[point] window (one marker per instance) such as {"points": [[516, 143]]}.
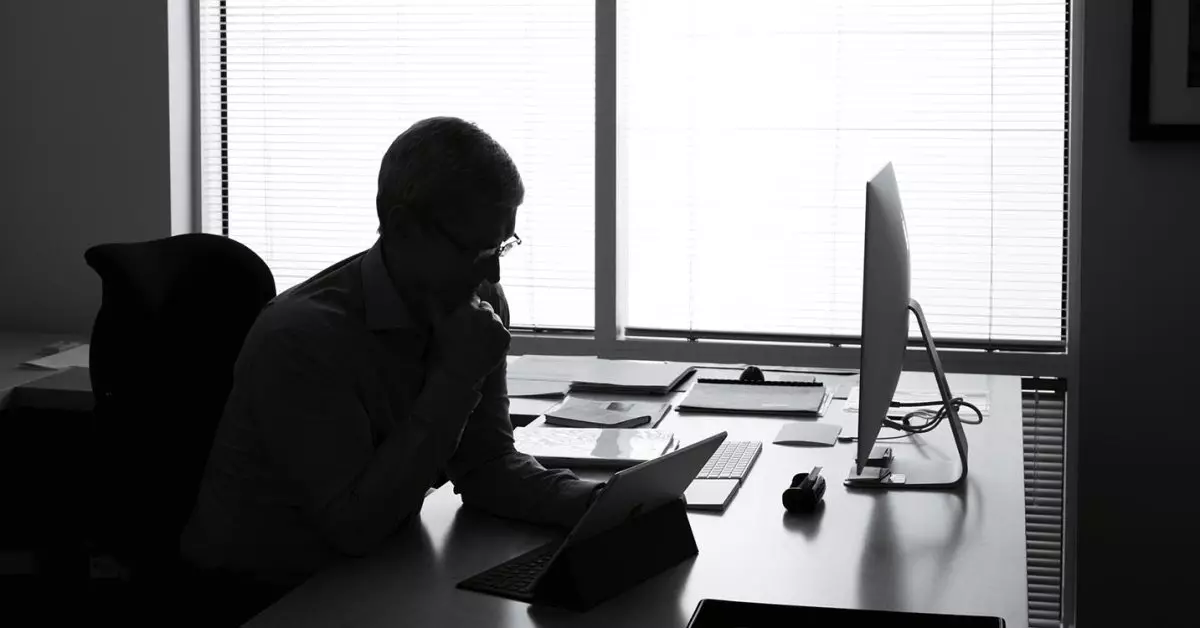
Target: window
{"points": [[744, 132], [747, 131], [300, 99]]}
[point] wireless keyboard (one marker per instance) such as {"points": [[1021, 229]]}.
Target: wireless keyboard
{"points": [[516, 578], [731, 461]]}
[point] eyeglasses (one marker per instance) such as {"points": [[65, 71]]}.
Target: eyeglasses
{"points": [[480, 255], [498, 251], [506, 246]]}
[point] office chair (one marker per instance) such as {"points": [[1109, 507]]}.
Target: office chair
{"points": [[173, 315]]}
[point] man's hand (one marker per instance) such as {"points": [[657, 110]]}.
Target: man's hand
{"points": [[470, 342]]}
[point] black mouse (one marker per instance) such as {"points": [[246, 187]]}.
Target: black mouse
{"points": [[752, 374]]}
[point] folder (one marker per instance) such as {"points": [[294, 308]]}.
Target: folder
{"points": [[774, 397], [588, 413], [598, 375]]}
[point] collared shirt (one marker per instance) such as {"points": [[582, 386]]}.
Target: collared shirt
{"points": [[336, 426]]}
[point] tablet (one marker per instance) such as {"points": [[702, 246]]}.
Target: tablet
{"points": [[729, 614]]}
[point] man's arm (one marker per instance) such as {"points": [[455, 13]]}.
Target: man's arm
{"points": [[489, 472], [317, 431]]}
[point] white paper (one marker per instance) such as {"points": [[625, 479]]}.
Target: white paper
{"points": [[71, 357], [583, 446]]}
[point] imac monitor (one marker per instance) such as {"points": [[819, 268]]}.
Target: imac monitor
{"points": [[885, 309]]}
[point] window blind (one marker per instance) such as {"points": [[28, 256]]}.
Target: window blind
{"points": [[300, 99], [746, 133], [1043, 418]]}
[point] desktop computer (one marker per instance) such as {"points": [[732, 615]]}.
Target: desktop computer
{"points": [[885, 311]]}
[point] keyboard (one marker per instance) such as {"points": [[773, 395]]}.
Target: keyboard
{"points": [[515, 578], [731, 461]]}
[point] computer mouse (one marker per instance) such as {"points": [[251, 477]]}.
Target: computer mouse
{"points": [[752, 374]]}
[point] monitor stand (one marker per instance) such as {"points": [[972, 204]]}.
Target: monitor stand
{"points": [[887, 471]]}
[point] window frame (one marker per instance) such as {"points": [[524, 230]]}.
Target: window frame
{"points": [[611, 338]]}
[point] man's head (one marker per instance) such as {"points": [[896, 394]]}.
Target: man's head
{"points": [[448, 196]]}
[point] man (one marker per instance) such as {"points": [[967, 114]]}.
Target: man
{"points": [[359, 389]]}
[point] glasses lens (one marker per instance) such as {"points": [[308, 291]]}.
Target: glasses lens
{"points": [[508, 245]]}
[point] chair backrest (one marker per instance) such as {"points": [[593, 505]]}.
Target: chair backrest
{"points": [[172, 319]]}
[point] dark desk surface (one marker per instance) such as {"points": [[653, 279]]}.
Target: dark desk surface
{"points": [[915, 551]]}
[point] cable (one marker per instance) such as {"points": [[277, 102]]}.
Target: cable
{"points": [[932, 419]]}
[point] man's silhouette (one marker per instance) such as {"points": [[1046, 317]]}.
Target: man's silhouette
{"points": [[359, 389]]}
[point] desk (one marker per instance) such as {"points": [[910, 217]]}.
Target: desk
{"points": [[45, 432], [928, 552], [15, 348], [68, 390]]}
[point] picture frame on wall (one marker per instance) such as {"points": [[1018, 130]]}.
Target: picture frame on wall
{"points": [[1166, 70]]}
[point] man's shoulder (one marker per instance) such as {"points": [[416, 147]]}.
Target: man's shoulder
{"points": [[327, 303], [299, 323], [288, 314]]}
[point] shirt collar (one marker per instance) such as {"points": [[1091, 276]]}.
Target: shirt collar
{"points": [[385, 309]]}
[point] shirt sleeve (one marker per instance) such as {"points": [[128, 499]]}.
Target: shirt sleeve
{"points": [[491, 474], [317, 432]]}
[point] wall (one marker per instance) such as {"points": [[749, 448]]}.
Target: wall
{"points": [[84, 149], [1137, 511]]}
